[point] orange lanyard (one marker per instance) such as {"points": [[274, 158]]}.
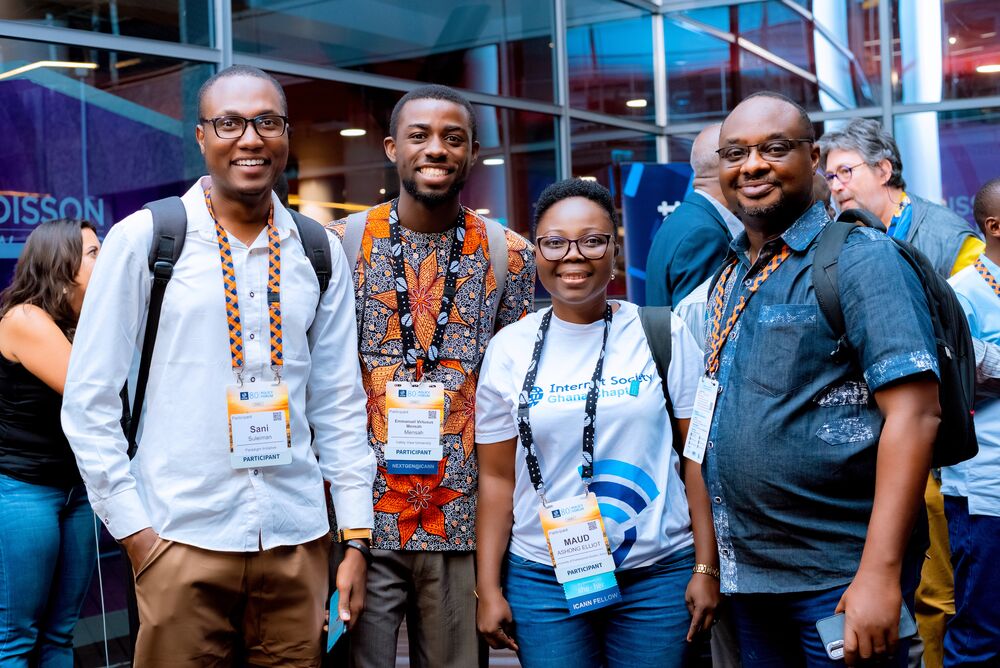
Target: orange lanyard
{"points": [[987, 276], [232, 299], [719, 335]]}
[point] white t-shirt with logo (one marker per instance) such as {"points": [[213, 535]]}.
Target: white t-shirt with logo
{"points": [[636, 470]]}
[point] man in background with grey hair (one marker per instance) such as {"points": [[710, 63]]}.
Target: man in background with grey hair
{"points": [[864, 171], [693, 240]]}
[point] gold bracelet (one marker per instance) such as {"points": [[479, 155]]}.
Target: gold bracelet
{"points": [[705, 569]]}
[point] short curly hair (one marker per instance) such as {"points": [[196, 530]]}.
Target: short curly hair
{"points": [[871, 141], [434, 92], [567, 188]]}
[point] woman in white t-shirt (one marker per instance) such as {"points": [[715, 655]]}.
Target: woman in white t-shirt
{"points": [[570, 402]]}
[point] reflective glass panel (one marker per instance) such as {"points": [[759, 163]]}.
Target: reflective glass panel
{"points": [[821, 53], [943, 156], [502, 47], [94, 137], [338, 165], [609, 48], [946, 50], [184, 21]]}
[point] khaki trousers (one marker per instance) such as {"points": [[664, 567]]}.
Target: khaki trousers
{"points": [[935, 603], [201, 608]]}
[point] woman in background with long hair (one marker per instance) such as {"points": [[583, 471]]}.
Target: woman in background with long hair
{"points": [[47, 544]]}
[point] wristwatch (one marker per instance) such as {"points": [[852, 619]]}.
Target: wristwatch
{"points": [[362, 548], [347, 534]]}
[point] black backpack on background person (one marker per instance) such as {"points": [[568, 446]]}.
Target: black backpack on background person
{"points": [[956, 438], [169, 230]]}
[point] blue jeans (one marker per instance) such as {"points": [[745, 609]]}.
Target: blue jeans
{"points": [[47, 556], [779, 630], [647, 628], [973, 634]]}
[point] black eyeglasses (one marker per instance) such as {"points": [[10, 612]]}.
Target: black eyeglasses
{"points": [[843, 173], [591, 246], [773, 150], [267, 126]]}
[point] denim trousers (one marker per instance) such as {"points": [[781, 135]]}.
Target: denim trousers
{"points": [[647, 628], [779, 630], [47, 556], [973, 634]]}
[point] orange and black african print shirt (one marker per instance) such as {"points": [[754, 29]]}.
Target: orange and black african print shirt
{"points": [[432, 512]]}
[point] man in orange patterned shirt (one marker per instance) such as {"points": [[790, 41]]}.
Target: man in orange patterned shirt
{"points": [[426, 308]]}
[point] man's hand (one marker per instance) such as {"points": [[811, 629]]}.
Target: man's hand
{"points": [[138, 546], [702, 598], [352, 579], [871, 625], [495, 621]]}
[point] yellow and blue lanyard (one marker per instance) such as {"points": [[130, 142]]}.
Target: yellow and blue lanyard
{"points": [[718, 335], [987, 276], [232, 298], [899, 226]]}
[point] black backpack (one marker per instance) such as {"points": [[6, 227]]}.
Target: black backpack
{"points": [[956, 438], [169, 229], [655, 322]]}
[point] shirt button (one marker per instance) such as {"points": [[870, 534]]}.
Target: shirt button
{"points": [[253, 379], [251, 336], [256, 472], [251, 293], [718, 499], [724, 552], [711, 445], [748, 282]]}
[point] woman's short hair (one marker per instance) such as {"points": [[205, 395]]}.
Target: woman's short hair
{"points": [[46, 271], [872, 143], [567, 188]]}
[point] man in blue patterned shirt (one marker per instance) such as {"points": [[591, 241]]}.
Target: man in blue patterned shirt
{"points": [[815, 464]]}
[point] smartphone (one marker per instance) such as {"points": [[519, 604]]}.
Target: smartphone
{"points": [[336, 624], [831, 631]]}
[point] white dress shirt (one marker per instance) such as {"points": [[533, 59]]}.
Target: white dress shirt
{"points": [[734, 224], [181, 483]]}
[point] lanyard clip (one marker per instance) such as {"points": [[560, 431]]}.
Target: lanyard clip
{"points": [[276, 369], [238, 372]]}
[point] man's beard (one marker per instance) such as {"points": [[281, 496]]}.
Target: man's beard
{"points": [[434, 199], [786, 206]]}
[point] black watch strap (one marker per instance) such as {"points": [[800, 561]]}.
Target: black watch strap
{"points": [[362, 548]]}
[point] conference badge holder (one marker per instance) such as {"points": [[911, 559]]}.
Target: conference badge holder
{"points": [[414, 412], [259, 426], [581, 555]]}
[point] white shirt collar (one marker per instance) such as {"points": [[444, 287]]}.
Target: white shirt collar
{"points": [[732, 222]]}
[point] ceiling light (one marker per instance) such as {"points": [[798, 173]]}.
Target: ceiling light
{"points": [[353, 132], [588, 178], [952, 40], [636, 104], [989, 69], [492, 162], [122, 64], [381, 191], [48, 63], [483, 212]]}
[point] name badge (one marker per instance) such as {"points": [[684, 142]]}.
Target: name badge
{"points": [[259, 426], [701, 419], [415, 412], [580, 553]]}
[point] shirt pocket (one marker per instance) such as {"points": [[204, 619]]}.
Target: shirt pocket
{"points": [[781, 353]]}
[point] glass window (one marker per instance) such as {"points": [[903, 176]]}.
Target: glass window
{"points": [[609, 47], [184, 21], [338, 165], [821, 53], [92, 141], [947, 50], [502, 47], [943, 156]]}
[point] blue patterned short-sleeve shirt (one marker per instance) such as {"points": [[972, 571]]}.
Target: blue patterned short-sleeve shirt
{"points": [[790, 465]]}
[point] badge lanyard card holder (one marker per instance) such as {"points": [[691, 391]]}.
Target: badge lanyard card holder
{"points": [[574, 529], [415, 410], [708, 385], [257, 413]]}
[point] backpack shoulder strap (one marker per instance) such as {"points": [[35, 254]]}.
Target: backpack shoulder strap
{"points": [[655, 322], [496, 238], [354, 231], [824, 275], [169, 230], [316, 246]]}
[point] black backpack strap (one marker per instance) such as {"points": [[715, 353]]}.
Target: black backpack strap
{"points": [[316, 246], [169, 229], [824, 278], [655, 322]]}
